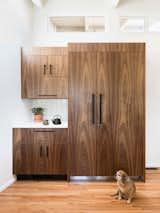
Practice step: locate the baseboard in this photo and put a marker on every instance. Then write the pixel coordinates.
(153, 165)
(152, 168)
(7, 184)
(42, 177)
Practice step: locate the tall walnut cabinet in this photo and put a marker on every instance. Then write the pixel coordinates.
(107, 109)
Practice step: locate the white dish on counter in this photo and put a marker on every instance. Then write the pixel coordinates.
(39, 125)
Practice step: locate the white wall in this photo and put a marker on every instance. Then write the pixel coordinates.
(15, 31)
(103, 7)
(51, 107)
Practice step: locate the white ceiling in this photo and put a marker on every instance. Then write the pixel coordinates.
(127, 24)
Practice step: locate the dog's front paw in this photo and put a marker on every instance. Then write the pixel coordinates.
(119, 198)
(128, 201)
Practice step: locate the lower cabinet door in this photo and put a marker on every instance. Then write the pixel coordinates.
(58, 152)
(50, 148)
(40, 147)
(23, 153)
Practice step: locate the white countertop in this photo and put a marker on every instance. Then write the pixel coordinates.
(39, 125)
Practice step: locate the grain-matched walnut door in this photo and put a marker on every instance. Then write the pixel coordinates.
(31, 67)
(58, 148)
(47, 87)
(127, 111)
(58, 70)
(23, 153)
(82, 116)
(50, 151)
(58, 65)
(41, 147)
(105, 143)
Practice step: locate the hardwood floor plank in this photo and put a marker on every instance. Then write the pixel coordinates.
(79, 197)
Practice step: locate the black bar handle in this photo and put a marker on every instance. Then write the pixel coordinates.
(47, 151)
(93, 109)
(41, 151)
(50, 70)
(44, 70)
(100, 109)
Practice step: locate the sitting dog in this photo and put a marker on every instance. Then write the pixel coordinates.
(126, 187)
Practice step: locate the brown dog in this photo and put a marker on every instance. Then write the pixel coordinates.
(126, 187)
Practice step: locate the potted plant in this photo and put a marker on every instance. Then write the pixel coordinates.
(38, 114)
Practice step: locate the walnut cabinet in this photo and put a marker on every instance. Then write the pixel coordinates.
(40, 151)
(107, 108)
(106, 99)
(44, 72)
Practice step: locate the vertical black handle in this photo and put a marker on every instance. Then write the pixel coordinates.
(100, 109)
(44, 69)
(47, 151)
(93, 109)
(40, 151)
(50, 69)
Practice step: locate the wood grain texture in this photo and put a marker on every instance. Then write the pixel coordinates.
(55, 161)
(58, 197)
(120, 79)
(121, 137)
(105, 143)
(58, 65)
(45, 51)
(129, 112)
(82, 81)
(40, 151)
(45, 72)
(30, 73)
(106, 47)
(23, 154)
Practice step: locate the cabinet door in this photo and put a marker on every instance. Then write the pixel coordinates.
(54, 81)
(58, 75)
(105, 143)
(82, 118)
(58, 65)
(23, 153)
(41, 143)
(47, 87)
(50, 151)
(128, 111)
(58, 152)
(31, 66)
(51, 87)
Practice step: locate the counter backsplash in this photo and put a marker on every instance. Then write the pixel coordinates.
(51, 107)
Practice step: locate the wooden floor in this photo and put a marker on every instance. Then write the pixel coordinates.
(92, 197)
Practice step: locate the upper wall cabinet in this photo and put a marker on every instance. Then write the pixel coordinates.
(45, 72)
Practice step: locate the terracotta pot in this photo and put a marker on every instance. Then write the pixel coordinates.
(38, 118)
